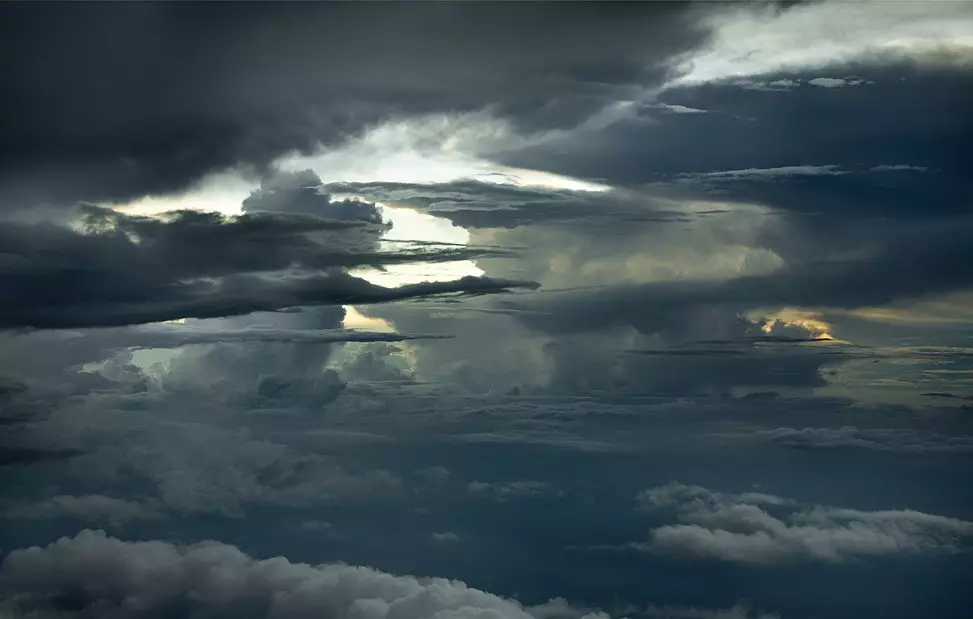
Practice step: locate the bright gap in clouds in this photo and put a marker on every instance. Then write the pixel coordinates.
(423, 151)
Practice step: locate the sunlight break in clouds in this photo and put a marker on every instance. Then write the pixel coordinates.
(435, 149)
(759, 39)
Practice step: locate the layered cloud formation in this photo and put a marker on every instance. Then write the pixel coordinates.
(438, 288)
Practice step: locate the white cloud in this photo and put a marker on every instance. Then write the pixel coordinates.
(679, 109)
(833, 82)
(128, 579)
(439, 148)
(107, 577)
(758, 39)
(743, 528)
(770, 85)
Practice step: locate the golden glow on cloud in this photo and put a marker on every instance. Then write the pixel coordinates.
(356, 320)
(950, 309)
(808, 320)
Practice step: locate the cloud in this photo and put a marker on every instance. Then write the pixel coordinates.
(834, 82)
(506, 491)
(908, 114)
(445, 538)
(906, 266)
(89, 507)
(680, 109)
(778, 85)
(95, 573)
(899, 167)
(738, 611)
(13, 455)
(167, 336)
(766, 173)
(742, 528)
(301, 192)
(199, 109)
(879, 439)
(480, 204)
(120, 270)
(761, 38)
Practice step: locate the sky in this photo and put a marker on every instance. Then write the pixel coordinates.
(486, 310)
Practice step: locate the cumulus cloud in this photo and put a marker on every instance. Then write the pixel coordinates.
(301, 192)
(94, 573)
(743, 528)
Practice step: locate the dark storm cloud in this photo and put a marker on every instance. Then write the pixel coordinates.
(931, 259)
(117, 101)
(10, 455)
(122, 270)
(849, 151)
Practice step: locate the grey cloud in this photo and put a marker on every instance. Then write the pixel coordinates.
(300, 192)
(679, 109)
(217, 471)
(12, 455)
(104, 115)
(447, 537)
(95, 573)
(506, 491)
(559, 609)
(835, 82)
(478, 204)
(922, 262)
(738, 611)
(900, 167)
(879, 439)
(176, 336)
(90, 507)
(918, 120)
(765, 173)
(126, 270)
(579, 264)
(743, 528)
(767, 85)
